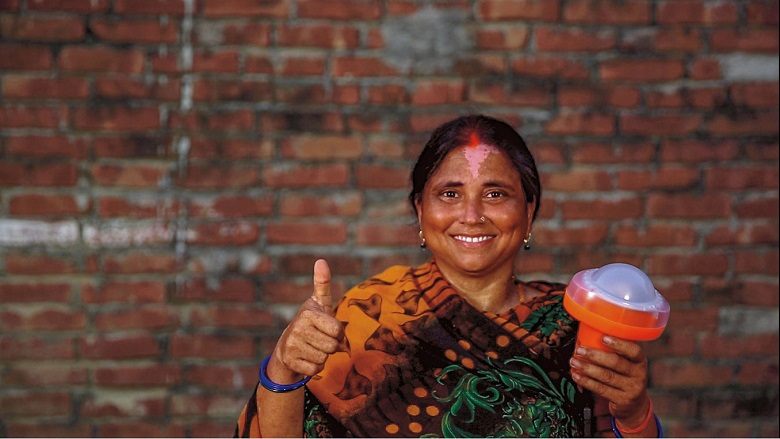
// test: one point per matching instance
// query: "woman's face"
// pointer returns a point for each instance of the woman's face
(472, 183)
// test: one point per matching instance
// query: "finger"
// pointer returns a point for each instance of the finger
(322, 285)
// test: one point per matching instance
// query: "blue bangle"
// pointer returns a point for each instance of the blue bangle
(657, 424)
(276, 387)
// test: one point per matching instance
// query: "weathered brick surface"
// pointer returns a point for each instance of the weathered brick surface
(170, 170)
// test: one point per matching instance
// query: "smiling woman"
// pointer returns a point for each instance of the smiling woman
(429, 350)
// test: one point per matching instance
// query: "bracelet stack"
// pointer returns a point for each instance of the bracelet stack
(276, 387)
(618, 430)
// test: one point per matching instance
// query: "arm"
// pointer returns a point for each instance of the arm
(620, 378)
(301, 351)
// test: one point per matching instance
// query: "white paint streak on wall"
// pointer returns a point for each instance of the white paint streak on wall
(121, 234)
(15, 232)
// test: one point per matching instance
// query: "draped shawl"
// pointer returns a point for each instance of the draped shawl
(418, 360)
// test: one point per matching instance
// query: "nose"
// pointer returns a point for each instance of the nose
(473, 212)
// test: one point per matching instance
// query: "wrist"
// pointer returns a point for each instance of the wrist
(277, 372)
(638, 420)
(274, 386)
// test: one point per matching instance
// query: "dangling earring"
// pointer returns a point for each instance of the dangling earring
(422, 244)
(527, 246)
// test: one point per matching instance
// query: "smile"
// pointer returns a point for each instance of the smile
(472, 239)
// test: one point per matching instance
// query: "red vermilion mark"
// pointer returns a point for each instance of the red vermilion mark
(473, 140)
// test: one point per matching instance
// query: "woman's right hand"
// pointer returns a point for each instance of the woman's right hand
(310, 337)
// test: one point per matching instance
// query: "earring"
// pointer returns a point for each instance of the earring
(527, 246)
(422, 244)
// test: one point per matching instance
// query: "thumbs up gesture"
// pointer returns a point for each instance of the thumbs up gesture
(310, 337)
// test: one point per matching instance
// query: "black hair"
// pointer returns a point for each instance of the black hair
(490, 131)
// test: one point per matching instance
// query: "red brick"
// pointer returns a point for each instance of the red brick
(38, 174)
(511, 38)
(545, 67)
(150, 7)
(696, 12)
(148, 318)
(140, 262)
(700, 264)
(749, 40)
(577, 181)
(117, 118)
(757, 262)
(571, 236)
(667, 125)
(137, 429)
(124, 292)
(741, 178)
(340, 9)
(246, 8)
(580, 123)
(43, 375)
(382, 177)
(608, 12)
(317, 35)
(132, 146)
(439, 93)
(689, 206)
(677, 374)
(300, 175)
(303, 264)
(550, 39)
(212, 377)
(49, 404)
(601, 209)
(486, 64)
(46, 146)
(598, 153)
(233, 316)
(226, 290)
(237, 233)
(665, 178)
(299, 94)
(762, 207)
(671, 344)
(387, 235)
(40, 204)
(322, 147)
(211, 346)
(134, 31)
(215, 90)
(109, 405)
(306, 233)
(31, 117)
(230, 149)
(678, 40)
(134, 376)
(756, 94)
(744, 346)
(36, 348)
(744, 124)
(758, 373)
(127, 88)
(348, 94)
(339, 204)
(224, 177)
(119, 347)
(643, 70)
(22, 57)
(12, 292)
(35, 264)
(702, 69)
(302, 66)
(129, 175)
(544, 10)
(42, 319)
(361, 67)
(77, 6)
(231, 32)
(112, 207)
(30, 87)
(229, 206)
(101, 59)
(41, 29)
(762, 13)
(694, 151)
(618, 96)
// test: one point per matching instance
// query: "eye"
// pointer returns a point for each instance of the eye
(495, 194)
(449, 194)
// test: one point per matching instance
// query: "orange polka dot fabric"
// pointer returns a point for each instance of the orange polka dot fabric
(418, 360)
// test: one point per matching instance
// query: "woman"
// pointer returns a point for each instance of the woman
(456, 347)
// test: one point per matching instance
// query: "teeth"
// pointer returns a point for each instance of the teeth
(472, 239)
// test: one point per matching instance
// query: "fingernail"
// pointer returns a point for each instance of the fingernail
(607, 339)
(573, 362)
(581, 350)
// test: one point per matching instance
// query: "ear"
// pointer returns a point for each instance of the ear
(418, 208)
(530, 208)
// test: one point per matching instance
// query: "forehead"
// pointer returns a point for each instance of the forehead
(482, 161)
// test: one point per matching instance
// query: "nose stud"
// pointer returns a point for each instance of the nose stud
(482, 219)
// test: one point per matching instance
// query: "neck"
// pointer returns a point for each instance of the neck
(494, 293)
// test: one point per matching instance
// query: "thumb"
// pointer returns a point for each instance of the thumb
(322, 285)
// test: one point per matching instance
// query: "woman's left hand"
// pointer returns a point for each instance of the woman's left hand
(620, 377)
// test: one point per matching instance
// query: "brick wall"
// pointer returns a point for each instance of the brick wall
(170, 170)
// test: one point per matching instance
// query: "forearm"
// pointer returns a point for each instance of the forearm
(280, 414)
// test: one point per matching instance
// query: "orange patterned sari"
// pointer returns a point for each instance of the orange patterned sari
(418, 360)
